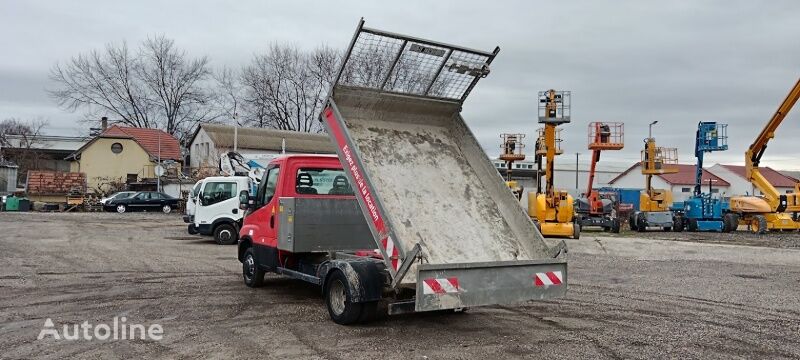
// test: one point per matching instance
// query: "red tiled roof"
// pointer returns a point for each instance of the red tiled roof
(775, 178)
(148, 139)
(684, 176)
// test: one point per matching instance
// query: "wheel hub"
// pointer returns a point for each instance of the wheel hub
(249, 267)
(337, 297)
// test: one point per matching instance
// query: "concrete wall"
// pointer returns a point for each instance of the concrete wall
(202, 151)
(100, 164)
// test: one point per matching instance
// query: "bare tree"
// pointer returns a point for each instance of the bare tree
(175, 85)
(20, 143)
(159, 86)
(285, 87)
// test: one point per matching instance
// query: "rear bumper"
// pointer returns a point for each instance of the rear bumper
(453, 286)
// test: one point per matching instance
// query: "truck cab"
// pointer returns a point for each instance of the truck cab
(216, 209)
(305, 177)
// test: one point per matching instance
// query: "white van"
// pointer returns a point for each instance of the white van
(216, 208)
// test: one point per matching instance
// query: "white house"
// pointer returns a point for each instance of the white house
(211, 140)
(681, 183)
(735, 174)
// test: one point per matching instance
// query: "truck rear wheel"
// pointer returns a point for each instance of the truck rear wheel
(225, 234)
(576, 230)
(252, 274)
(341, 307)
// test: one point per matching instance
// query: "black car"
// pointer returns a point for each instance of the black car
(143, 200)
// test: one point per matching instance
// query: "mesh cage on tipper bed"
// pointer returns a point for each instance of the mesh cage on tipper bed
(407, 65)
(444, 222)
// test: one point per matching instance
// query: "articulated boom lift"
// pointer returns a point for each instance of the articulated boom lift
(591, 210)
(702, 212)
(654, 204)
(553, 209)
(512, 151)
(772, 210)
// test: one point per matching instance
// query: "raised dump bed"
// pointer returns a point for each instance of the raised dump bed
(442, 217)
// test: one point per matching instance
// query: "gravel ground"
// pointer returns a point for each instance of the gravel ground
(774, 239)
(629, 297)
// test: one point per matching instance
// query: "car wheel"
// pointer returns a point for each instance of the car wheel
(252, 274)
(225, 234)
(341, 308)
(121, 208)
(166, 209)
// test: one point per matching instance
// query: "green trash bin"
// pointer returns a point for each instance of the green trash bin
(12, 203)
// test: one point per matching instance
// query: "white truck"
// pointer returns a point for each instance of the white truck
(216, 208)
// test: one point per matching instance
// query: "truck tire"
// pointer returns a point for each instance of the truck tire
(576, 230)
(759, 225)
(615, 226)
(341, 308)
(632, 222)
(225, 234)
(252, 274)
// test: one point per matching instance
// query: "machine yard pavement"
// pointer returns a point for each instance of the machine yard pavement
(629, 297)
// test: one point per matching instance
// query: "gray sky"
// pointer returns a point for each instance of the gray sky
(678, 62)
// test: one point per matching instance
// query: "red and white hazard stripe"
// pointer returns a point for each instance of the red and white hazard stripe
(440, 286)
(548, 278)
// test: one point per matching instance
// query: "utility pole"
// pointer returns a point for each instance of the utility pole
(576, 171)
(158, 177)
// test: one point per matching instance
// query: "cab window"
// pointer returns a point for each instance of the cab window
(270, 184)
(316, 181)
(215, 192)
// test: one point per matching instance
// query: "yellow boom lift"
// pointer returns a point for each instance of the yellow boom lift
(553, 209)
(654, 204)
(772, 210)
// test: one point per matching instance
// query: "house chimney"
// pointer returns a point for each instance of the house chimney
(104, 122)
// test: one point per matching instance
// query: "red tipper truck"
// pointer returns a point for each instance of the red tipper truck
(418, 217)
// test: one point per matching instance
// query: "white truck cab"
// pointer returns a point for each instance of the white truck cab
(216, 208)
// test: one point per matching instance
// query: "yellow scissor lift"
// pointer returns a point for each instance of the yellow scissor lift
(654, 204)
(552, 209)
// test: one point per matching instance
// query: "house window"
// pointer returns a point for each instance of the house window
(116, 148)
(789, 191)
(714, 191)
(685, 189)
(530, 166)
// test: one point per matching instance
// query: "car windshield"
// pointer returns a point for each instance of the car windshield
(122, 195)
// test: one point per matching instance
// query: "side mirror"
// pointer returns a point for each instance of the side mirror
(245, 200)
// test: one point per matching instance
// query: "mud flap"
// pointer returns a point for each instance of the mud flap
(452, 286)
